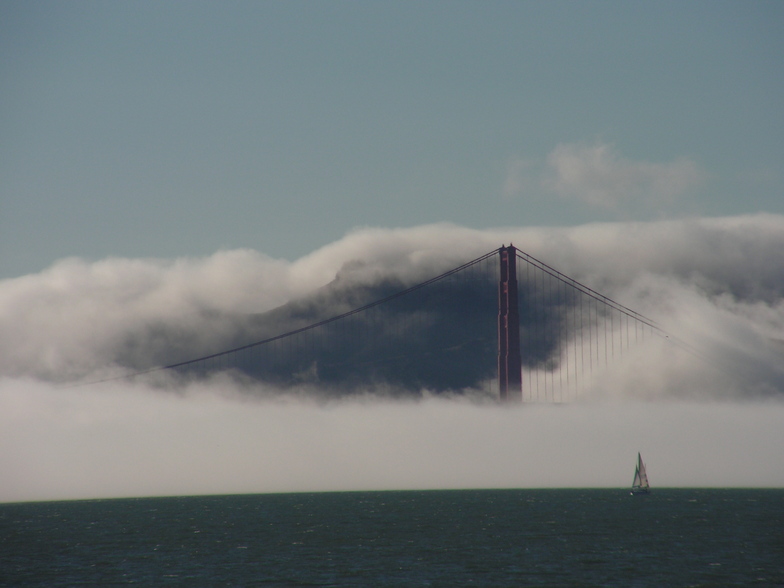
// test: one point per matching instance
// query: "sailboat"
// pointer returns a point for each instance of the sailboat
(640, 484)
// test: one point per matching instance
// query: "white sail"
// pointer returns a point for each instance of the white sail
(640, 484)
(642, 474)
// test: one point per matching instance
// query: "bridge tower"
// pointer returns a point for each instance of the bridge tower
(510, 385)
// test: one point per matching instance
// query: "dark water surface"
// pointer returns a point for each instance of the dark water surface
(673, 537)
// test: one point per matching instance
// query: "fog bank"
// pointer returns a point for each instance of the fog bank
(120, 440)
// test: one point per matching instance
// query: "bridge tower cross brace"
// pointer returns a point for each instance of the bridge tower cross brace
(510, 385)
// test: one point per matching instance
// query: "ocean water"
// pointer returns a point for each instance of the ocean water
(596, 537)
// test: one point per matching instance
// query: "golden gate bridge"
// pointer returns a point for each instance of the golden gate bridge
(504, 323)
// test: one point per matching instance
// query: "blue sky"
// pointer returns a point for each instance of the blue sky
(147, 129)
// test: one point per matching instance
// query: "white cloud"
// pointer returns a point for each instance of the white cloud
(713, 282)
(597, 175)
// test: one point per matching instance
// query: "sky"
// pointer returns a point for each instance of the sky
(148, 129)
(164, 164)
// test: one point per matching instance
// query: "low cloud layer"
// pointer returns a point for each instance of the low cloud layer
(715, 285)
(697, 404)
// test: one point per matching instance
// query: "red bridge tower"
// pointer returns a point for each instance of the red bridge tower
(510, 385)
